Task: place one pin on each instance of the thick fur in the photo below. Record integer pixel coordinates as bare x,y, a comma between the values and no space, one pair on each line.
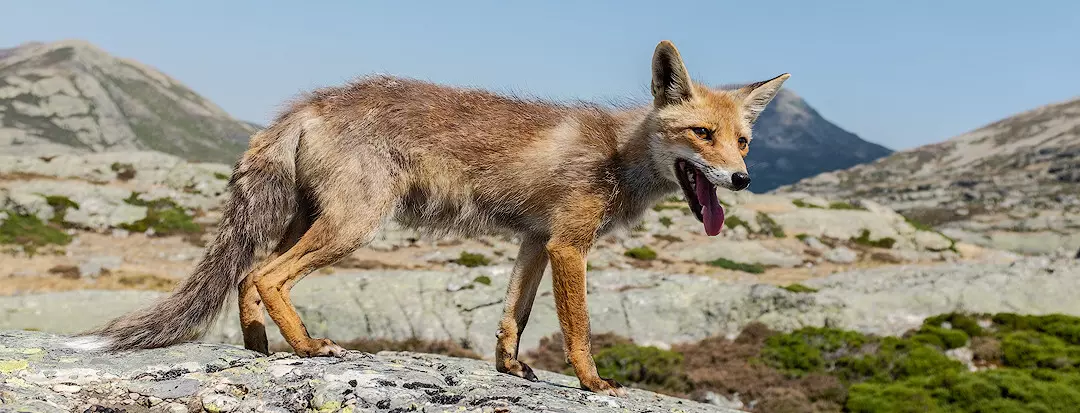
321,181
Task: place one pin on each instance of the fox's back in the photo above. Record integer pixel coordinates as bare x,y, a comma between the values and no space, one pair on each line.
471,158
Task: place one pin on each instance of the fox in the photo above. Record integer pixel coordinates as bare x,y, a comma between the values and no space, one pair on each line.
340,162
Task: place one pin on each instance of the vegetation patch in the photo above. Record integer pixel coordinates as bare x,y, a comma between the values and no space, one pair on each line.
643,253
799,288
60,206
221,176
29,232
845,205
733,222
833,370
124,171
753,268
471,260
769,226
163,216
802,204
666,222
864,239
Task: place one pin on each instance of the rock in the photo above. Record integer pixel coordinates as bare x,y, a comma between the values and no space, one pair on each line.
932,241
841,255
815,244
220,403
739,251
226,379
963,355
93,267
644,305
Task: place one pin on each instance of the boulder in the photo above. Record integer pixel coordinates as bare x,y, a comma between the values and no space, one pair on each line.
41,373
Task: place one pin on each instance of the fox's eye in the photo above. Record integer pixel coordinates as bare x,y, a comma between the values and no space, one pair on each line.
743,142
703,133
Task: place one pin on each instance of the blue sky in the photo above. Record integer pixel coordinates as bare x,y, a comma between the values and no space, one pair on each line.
897,73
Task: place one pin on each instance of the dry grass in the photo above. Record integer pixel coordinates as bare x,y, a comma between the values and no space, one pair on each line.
66,278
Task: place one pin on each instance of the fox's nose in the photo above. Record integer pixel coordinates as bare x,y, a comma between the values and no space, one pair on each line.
740,180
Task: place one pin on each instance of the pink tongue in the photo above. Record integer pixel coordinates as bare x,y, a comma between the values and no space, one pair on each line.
711,211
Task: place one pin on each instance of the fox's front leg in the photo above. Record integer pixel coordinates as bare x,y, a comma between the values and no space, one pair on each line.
520,294
567,257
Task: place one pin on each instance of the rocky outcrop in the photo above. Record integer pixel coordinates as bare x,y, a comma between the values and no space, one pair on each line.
649,307
72,97
41,374
1011,184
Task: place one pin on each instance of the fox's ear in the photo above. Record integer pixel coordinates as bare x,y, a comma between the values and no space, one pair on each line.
758,95
670,81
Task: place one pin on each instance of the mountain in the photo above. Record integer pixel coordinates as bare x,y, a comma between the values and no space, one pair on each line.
792,141
70,96
1014,183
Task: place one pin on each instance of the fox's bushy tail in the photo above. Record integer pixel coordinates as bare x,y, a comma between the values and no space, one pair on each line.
263,200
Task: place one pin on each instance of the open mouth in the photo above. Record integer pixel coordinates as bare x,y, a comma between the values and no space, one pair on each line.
701,195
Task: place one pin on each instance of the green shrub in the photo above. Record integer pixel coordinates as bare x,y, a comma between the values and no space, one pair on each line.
163,215
768,225
802,236
470,260
963,322
1000,390
733,222
641,253
665,221
845,205
799,288
30,232
1032,349
753,268
221,176
60,205
864,239
1059,325
941,337
799,203
919,225
642,366
806,350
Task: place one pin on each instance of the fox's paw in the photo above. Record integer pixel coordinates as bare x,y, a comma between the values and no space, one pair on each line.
319,347
607,387
517,368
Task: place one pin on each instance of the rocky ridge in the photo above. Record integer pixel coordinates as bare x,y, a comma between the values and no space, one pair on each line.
72,97
1012,184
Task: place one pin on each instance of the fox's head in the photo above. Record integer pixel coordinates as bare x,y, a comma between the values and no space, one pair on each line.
702,134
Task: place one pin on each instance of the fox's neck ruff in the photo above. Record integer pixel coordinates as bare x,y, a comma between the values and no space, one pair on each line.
641,182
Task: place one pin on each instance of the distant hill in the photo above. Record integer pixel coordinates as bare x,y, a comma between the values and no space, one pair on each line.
792,141
71,96
1014,182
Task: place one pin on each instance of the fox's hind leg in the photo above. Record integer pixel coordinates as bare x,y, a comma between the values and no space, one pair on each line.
520,294
347,221
252,321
